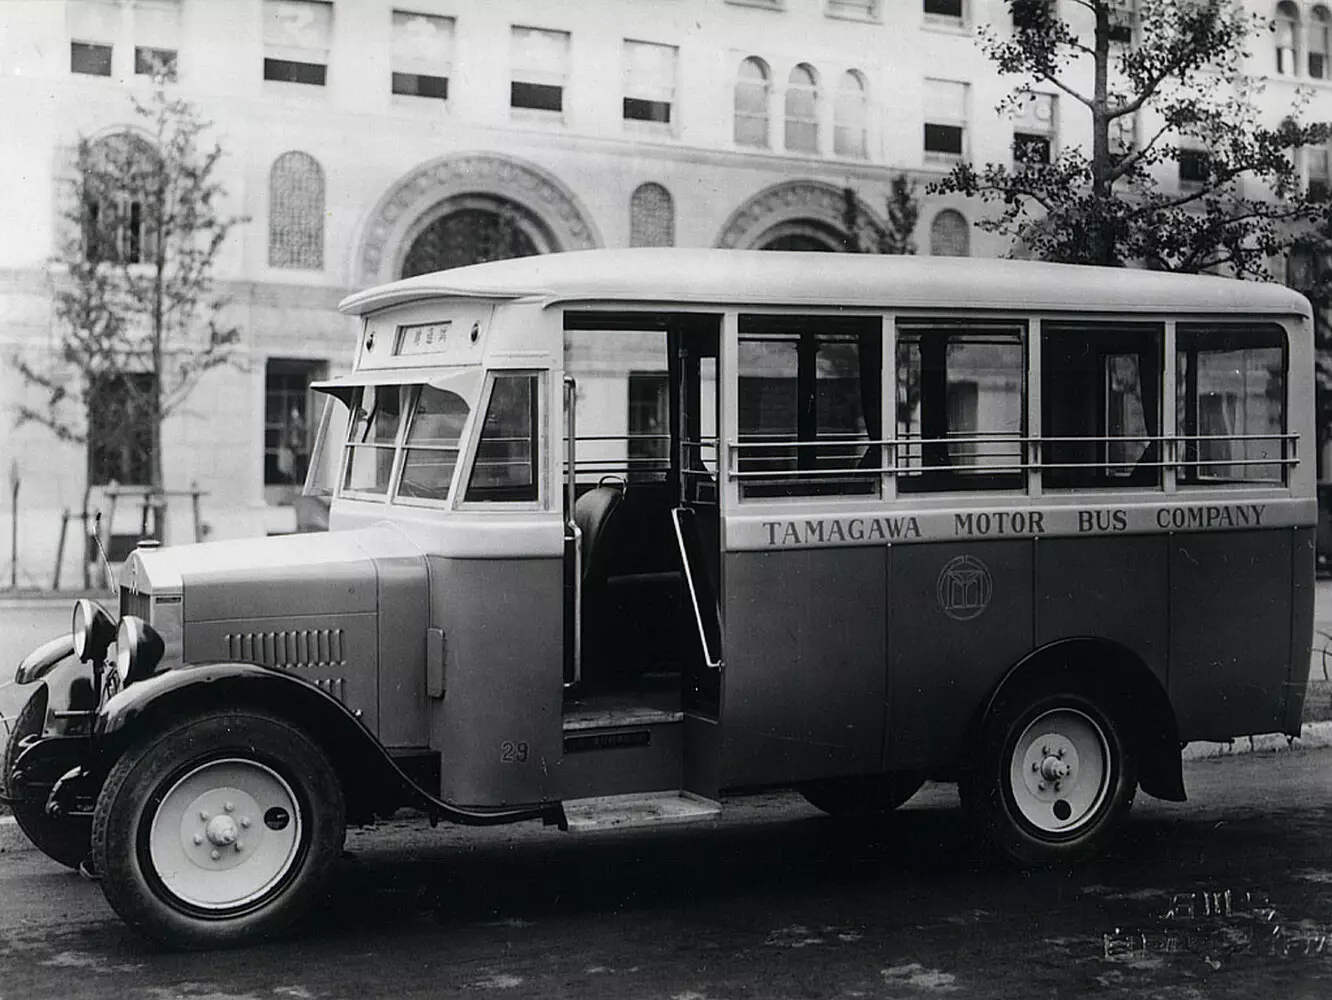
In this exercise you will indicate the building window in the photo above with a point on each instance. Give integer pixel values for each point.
(649, 81)
(118, 171)
(288, 427)
(1123, 134)
(651, 217)
(1034, 130)
(946, 11)
(1320, 177)
(1195, 166)
(850, 116)
(297, 38)
(950, 236)
(649, 427)
(296, 212)
(945, 120)
(540, 69)
(802, 110)
(93, 27)
(120, 428)
(1287, 37)
(751, 103)
(1319, 25)
(156, 37)
(1123, 16)
(422, 55)
(856, 10)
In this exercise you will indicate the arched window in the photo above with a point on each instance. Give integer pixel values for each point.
(119, 173)
(1319, 25)
(1287, 37)
(296, 212)
(751, 103)
(949, 235)
(476, 230)
(651, 217)
(850, 116)
(802, 110)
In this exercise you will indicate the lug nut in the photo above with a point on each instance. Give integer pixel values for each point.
(198, 838)
(245, 822)
(203, 815)
(238, 846)
(229, 806)
(215, 854)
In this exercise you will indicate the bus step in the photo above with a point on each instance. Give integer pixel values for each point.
(617, 812)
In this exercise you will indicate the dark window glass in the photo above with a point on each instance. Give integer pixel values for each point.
(647, 111)
(538, 96)
(506, 466)
(809, 402)
(288, 429)
(960, 416)
(1230, 404)
(1101, 392)
(289, 71)
(155, 62)
(944, 8)
(649, 427)
(90, 59)
(1031, 148)
(945, 139)
(421, 85)
(374, 429)
(1195, 166)
(120, 428)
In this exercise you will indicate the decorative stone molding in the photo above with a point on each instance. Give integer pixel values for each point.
(786, 205)
(422, 195)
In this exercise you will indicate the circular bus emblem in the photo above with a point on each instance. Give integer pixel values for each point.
(964, 588)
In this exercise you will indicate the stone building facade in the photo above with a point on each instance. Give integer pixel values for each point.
(368, 139)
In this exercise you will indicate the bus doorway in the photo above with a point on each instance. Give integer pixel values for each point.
(643, 625)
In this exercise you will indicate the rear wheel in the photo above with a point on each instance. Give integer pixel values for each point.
(65, 840)
(219, 831)
(1055, 773)
(872, 795)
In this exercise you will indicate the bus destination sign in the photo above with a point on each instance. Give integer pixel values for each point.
(422, 338)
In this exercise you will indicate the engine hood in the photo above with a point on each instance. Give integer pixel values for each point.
(310, 574)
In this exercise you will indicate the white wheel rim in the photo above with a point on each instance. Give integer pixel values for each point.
(1059, 772)
(225, 834)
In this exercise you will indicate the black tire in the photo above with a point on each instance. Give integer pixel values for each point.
(67, 840)
(1018, 793)
(287, 826)
(868, 796)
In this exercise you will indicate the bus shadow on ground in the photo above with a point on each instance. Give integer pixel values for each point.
(918, 854)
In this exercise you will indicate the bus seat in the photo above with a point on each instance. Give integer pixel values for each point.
(592, 514)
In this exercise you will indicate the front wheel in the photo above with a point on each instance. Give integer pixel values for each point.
(219, 831)
(63, 839)
(1054, 775)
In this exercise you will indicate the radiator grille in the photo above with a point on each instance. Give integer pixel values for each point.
(138, 605)
(298, 648)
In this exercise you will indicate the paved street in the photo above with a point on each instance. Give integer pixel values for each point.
(775, 901)
(1228, 896)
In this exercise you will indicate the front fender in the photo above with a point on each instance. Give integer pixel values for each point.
(371, 778)
(71, 701)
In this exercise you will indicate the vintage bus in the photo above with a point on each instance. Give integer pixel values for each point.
(617, 535)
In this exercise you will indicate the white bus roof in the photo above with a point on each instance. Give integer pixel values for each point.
(858, 281)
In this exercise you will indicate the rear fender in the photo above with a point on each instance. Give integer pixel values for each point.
(1145, 704)
(373, 783)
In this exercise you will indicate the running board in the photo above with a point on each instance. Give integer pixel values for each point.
(618, 812)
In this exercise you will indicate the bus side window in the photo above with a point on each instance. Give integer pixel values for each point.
(1101, 400)
(1231, 403)
(809, 398)
(960, 408)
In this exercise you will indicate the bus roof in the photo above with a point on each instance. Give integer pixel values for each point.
(863, 281)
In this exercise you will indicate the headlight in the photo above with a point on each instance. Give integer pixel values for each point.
(92, 630)
(138, 650)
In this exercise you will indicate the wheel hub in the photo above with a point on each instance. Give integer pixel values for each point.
(218, 829)
(1059, 770)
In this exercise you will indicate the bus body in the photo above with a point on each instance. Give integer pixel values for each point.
(616, 534)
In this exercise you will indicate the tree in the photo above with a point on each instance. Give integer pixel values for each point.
(897, 236)
(1163, 87)
(138, 317)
